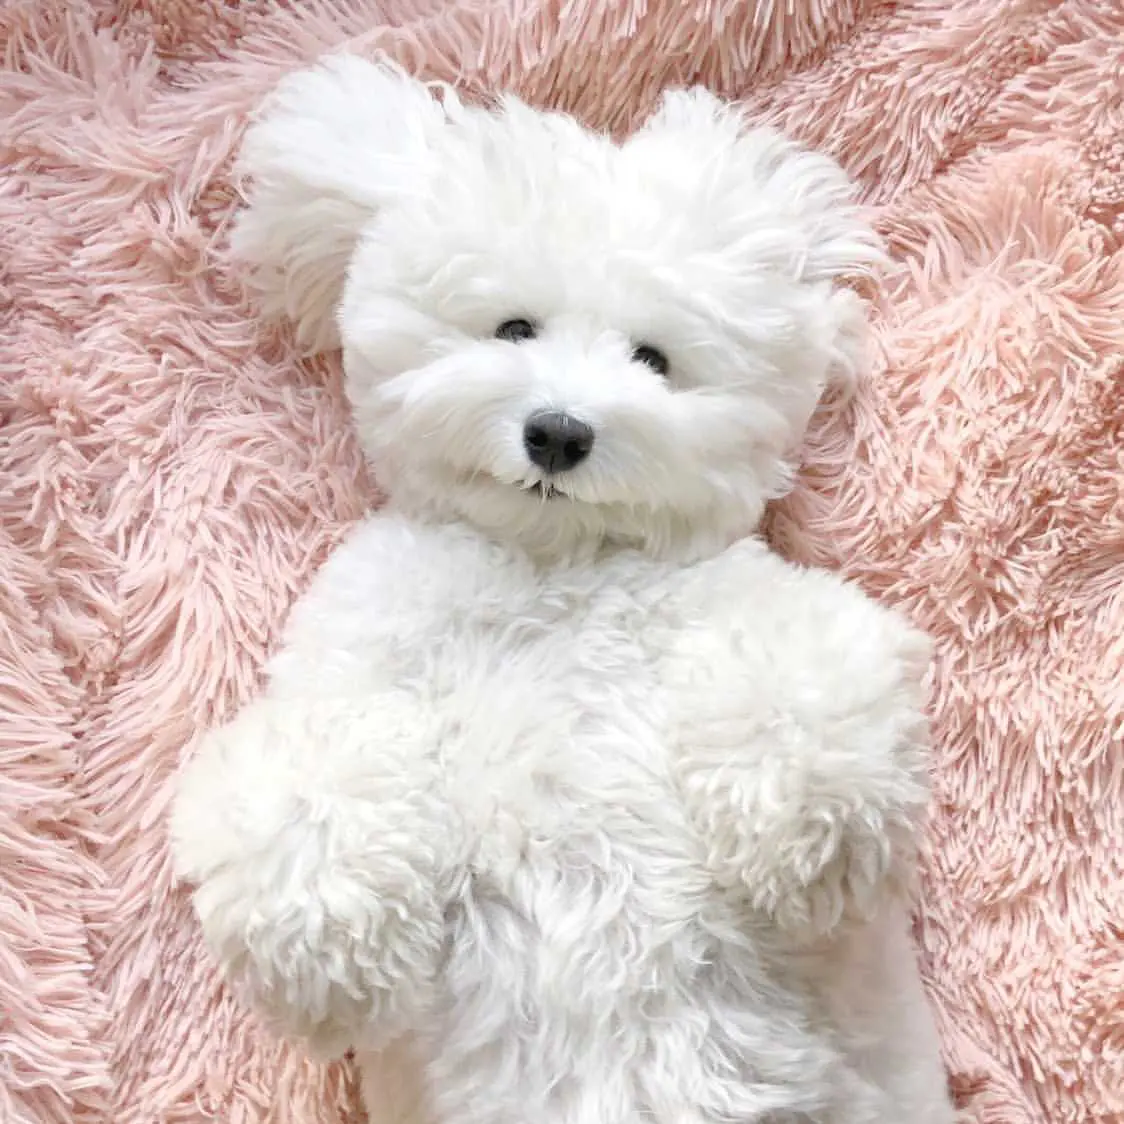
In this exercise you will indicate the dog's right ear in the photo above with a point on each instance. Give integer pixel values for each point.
(329, 148)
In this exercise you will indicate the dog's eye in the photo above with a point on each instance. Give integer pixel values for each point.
(651, 357)
(516, 331)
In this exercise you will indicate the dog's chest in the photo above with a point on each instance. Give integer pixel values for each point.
(553, 720)
(558, 760)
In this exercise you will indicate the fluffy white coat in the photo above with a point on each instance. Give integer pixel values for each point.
(567, 802)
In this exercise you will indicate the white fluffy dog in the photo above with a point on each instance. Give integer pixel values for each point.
(567, 802)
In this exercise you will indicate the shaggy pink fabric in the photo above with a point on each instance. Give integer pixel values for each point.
(170, 476)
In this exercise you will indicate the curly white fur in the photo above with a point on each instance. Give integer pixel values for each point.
(567, 801)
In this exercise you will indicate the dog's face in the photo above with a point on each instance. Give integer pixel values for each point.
(566, 341)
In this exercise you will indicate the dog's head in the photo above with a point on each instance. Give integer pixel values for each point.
(557, 338)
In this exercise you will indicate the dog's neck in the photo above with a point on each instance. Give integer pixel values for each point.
(586, 542)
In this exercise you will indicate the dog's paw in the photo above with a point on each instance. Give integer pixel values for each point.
(805, 854)
(810, 874)
(317, 865)
(332, 945)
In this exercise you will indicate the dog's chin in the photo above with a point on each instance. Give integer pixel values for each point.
(515, 498)
(538, 515)
(551, 522)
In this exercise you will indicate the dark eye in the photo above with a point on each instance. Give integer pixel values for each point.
(651, 357)
(516, 331)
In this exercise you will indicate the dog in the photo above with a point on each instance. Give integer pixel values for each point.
(567, 800)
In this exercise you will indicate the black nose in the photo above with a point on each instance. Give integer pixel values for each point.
(555, 441)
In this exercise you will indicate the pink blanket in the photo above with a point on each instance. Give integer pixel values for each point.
(170, 476)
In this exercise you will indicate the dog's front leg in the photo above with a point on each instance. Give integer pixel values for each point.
(808, 794)
(320, 849)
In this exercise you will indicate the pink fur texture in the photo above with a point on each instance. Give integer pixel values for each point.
(171, 474)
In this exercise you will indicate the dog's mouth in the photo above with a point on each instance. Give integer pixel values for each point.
(544, 489)
(536, 489)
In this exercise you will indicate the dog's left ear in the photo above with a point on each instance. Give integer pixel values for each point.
(332, 146)
(792, 207)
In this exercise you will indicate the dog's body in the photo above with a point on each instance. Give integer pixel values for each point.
(567, 801)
